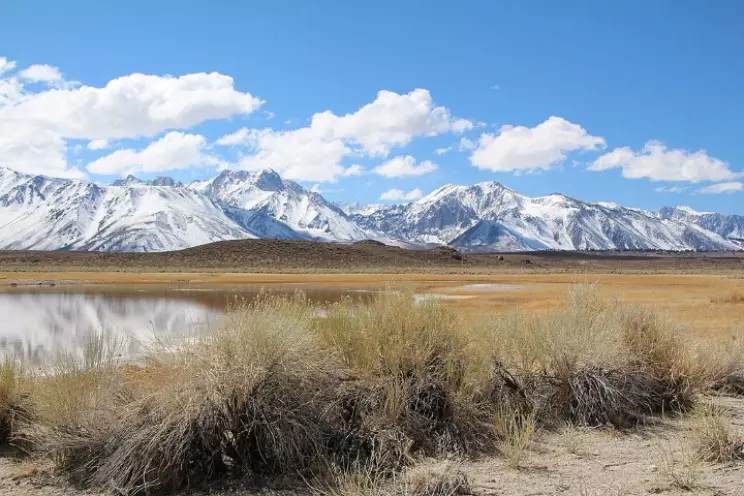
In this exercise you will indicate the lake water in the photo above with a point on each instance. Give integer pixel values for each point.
(37, 322)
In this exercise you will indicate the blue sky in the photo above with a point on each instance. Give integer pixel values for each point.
(633, 102)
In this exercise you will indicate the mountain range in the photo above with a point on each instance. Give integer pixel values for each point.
(43, 213)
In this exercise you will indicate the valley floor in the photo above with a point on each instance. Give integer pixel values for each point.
(708, 305)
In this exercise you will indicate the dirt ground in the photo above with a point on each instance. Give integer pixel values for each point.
(655, 460)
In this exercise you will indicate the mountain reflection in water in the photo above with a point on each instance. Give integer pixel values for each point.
(37, 324)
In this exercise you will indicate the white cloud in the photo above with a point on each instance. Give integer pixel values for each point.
(241, 137)
(354, 170)
(672, 189)
(729, 187)
(400, 195)
(466, 144)
(34, 151)
(442, 151)
(41, 73)
(519, 148)
(405, 166)
(100, 144)
(175, 150)
(658, 163)
(6, 65)
(133, 106)
(34, 125)
(391, 120)
(316, 152)
(300, 155)
(11, 90)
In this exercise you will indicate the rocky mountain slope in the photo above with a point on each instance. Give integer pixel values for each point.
(491, 217)
(42, 213)
(730, 227)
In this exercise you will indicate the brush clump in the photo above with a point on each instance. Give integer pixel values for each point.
(281, 390)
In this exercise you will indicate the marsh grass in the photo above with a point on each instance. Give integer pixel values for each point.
(350, 399)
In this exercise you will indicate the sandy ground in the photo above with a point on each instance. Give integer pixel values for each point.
(654, 460)
(710, 306)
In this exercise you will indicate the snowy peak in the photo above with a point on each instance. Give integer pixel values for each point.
(130, 180)
(262, 202)
(353, 208)
(490, 216)
(730, 227)
(39, 212)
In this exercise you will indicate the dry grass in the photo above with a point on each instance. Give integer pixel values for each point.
(516, 430)
(716, 439)
(13, 400)
(730, 298)
(595, 362)
(351, 399)
(428, 478)
(679, 470)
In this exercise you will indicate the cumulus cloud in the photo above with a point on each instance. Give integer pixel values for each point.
(133, 106)
(100, 144)
(35, 125)
(405, 166)
(729, 188)
(658, 163)
(466, 144)
(6, 65)
(391, 120)
(519, 148)
(354, 170)
(298, 155)
(400, 195)
(671, 189)
(35, 151)
(41, 73)
(316, 152)
(175, 150)
(442, 151)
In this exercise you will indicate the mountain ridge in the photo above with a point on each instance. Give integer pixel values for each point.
(44, 213)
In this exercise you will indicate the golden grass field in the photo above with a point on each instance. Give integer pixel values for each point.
(709, 306)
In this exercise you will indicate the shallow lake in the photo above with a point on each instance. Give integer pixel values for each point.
(37, 322)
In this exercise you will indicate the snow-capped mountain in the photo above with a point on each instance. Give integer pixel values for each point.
(489, 216)
(354, 208)
(730, 227)
(42, 213)
(264, 203)
(130, 180)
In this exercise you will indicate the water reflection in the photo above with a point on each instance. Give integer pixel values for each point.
(37, 323)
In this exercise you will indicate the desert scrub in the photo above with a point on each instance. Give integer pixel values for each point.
(354, 394)
(593, 362)
(715, 437)
(421, 375)
(14, 400)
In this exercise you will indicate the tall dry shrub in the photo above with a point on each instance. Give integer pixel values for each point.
(420, 375)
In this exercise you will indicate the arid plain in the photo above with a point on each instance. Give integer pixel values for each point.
(703, 298)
